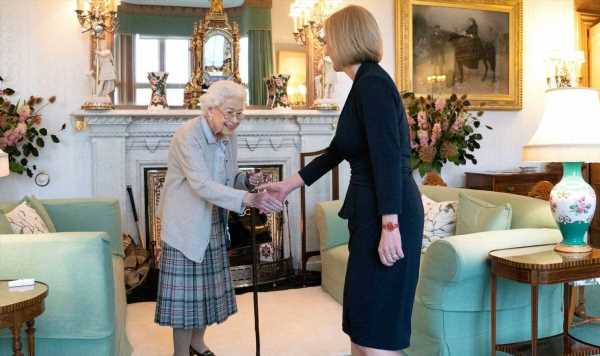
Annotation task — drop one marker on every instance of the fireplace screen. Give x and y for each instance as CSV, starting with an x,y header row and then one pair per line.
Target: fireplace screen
x,y
269,232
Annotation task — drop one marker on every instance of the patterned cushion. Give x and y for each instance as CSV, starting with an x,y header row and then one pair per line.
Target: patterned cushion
x,y
25,220
440,220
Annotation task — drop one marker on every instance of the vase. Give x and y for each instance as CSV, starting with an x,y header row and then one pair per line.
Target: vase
x,y
277,91
573,203
158,84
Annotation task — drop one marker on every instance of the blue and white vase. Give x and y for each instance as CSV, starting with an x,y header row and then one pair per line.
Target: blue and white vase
x,y
573,202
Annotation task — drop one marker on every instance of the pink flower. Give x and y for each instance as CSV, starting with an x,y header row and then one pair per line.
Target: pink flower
x,y
440,104
422,120
21,129
423,137
11,137
24,111
458,124
436,133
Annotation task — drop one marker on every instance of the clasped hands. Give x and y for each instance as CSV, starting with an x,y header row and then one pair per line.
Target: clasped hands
x,y
268,197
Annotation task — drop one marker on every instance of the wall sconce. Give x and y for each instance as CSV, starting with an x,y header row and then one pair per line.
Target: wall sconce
x,y
563,69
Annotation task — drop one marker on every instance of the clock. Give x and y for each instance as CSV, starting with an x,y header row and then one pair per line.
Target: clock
x,y
42,179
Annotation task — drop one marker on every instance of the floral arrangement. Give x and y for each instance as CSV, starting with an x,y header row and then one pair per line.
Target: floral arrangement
x,y
21,134
441,130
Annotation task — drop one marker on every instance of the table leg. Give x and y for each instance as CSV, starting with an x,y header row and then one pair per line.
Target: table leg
x,y
567,312
493,313
534,319
31,337
16,334
567,302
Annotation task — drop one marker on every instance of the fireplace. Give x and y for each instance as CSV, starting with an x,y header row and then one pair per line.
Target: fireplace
x,y
124,144
273,264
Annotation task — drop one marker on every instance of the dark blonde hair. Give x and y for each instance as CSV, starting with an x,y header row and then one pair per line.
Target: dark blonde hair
x,y
354,36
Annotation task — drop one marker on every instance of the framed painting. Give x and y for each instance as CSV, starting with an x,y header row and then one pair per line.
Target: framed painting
x,y
471,47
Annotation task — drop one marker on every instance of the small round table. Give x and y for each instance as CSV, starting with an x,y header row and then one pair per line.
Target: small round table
x,y
19,306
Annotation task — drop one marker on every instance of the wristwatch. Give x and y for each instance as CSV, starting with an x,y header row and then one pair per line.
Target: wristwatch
x,y
389,226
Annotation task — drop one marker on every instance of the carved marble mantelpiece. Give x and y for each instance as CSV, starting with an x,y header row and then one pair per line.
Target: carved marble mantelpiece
x,y
125,142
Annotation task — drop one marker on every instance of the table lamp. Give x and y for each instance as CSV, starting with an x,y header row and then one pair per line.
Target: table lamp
x,y
4,167
569,132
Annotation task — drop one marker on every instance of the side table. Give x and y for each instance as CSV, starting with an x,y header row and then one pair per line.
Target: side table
x,y
538,265
18,307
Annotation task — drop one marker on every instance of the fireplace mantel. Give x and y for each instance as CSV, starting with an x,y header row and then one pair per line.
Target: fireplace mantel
x,y
125,142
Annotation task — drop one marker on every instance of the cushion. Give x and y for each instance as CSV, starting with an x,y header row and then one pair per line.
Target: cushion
x,y
475,215
25,220
440,220
42,212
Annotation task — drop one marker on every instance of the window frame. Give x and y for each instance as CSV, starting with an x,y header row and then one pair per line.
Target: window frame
x,y
161,63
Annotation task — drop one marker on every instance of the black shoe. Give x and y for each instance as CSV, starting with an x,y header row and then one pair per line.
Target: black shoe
x,y
193,352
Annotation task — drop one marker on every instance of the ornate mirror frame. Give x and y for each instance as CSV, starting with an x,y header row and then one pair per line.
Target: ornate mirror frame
x,y
215,21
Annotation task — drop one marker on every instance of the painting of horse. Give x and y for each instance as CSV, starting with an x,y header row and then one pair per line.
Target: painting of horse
x,y
465,49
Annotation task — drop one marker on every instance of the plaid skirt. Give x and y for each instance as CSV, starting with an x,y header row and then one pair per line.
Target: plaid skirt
x,y
193,295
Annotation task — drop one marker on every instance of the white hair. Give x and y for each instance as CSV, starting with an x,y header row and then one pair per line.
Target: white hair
x,y
220,91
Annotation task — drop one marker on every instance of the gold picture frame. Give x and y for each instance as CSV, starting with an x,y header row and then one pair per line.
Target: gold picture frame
x,y
499,47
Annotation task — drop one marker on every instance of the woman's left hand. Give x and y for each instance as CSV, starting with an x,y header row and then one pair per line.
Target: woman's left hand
x,y
390,247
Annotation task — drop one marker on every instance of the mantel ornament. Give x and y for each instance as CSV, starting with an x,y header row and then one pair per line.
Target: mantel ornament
x,y
215,53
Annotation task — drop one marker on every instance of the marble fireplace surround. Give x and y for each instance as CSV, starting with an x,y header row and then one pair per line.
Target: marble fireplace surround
x,y
125,142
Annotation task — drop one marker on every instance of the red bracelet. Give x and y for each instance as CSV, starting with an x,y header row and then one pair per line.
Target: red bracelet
x,y
390,226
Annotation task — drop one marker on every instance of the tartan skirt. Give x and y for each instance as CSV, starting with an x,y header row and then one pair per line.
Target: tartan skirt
x,y
194,295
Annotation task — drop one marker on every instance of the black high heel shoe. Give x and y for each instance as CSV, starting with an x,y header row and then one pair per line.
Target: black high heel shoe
x,y
193,352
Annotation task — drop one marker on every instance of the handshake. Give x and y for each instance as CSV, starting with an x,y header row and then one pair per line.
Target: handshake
x,y
268,198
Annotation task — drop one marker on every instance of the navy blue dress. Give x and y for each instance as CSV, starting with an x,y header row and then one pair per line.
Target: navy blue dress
x,y
372,134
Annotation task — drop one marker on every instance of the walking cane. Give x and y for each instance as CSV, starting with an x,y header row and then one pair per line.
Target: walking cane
x,y
255,279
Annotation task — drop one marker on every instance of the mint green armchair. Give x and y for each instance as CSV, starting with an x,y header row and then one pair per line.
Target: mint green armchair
x,y
83,267
451,313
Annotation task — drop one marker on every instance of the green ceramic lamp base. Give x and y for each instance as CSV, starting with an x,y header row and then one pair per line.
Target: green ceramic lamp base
x,y
573,202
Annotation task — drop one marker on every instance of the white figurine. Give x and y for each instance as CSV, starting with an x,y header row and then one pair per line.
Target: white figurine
x,y
330,78
107,74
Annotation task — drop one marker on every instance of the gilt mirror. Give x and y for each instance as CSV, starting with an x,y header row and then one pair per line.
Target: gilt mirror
x,y
218,57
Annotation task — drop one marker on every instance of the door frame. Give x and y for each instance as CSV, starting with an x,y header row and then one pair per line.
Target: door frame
x,y
585,20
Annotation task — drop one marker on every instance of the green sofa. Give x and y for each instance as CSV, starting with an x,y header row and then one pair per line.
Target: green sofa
x,y
83,267
451,314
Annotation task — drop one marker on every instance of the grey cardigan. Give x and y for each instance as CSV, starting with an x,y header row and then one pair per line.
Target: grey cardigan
x,y
190,190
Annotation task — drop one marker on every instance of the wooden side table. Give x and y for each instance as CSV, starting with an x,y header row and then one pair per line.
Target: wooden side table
x,y
538,265
21,307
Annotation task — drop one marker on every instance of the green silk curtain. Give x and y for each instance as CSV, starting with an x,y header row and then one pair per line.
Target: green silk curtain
x,y
256,25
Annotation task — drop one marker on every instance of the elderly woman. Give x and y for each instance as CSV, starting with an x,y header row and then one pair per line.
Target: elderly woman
x,y
202,184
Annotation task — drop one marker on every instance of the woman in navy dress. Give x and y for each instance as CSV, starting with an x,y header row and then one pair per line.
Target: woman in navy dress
x,y
383,204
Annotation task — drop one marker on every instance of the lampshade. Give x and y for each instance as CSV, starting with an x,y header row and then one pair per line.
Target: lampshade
x,y
570,128
4,171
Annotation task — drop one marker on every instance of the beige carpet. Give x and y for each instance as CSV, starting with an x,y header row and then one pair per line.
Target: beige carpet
x,y
295,322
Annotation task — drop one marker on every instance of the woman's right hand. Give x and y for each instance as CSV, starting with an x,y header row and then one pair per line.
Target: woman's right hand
x,y
264,202
282,189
